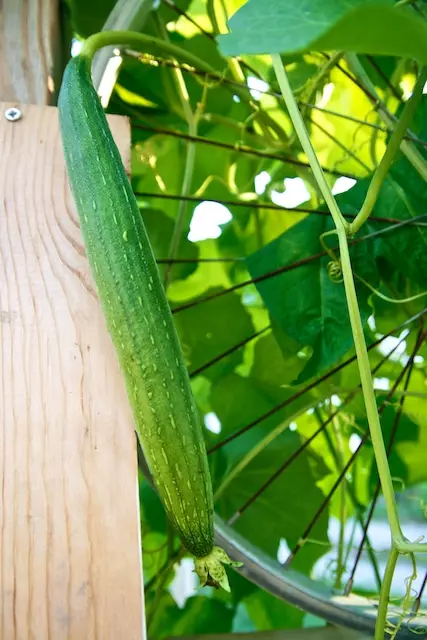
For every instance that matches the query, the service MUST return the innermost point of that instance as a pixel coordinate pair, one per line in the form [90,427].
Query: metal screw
[13,114]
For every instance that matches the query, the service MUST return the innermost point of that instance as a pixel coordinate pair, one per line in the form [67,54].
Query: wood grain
[30,50]
[70,565]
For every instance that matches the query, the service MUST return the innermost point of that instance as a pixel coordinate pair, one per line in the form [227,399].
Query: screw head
[13,114]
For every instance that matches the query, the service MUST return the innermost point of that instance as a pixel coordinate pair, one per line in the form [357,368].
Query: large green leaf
[267,612]
[155,553]
[199,614]
[282,26]
[287,505]
[156,85]
[158,167]
[405,249]
[305,302]
[343,144]
[404,196]
[275,365]
[238,401]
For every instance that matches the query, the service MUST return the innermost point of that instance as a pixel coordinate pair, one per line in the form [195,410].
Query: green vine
[407,147]
[390,153]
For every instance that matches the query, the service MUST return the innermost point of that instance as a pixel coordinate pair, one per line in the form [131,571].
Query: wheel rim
[352,611]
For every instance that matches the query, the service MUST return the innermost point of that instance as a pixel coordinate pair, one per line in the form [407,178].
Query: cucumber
[139,319]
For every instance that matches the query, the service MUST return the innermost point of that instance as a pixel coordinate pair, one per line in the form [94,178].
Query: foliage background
[309,327]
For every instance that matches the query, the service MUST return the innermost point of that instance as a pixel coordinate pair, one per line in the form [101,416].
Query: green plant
[346,27]
[261,310]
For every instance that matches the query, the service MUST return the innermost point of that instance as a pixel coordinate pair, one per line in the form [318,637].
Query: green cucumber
[138,318]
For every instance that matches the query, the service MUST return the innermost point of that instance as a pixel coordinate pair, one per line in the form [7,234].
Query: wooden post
[70,559]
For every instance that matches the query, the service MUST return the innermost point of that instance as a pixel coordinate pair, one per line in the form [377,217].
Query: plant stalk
[301,131]
[385,594]
[407,147]
[390,153]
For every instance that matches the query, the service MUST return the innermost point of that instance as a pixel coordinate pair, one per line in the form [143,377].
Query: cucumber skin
[137,312]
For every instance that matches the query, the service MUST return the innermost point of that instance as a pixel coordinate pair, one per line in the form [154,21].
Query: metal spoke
[259,205]
[228,352]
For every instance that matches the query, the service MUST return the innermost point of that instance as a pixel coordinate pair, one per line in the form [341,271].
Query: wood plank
[30,50]
[328,632]
[70,560]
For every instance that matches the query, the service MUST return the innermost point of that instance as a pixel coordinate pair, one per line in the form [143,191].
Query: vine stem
[390,153]
[319,77]
[126,14]
[398,543]
[385,594]
[301,131]
[368,388]
[412,154]
[342,500]
[141,42]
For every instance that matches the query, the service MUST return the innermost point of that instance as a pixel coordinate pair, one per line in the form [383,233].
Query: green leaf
[148,82]
[207,275]
[276,366]
[155,83]
[219,98]
[238,401]
[153,515]
[155,553]
[300,70]
[305,302]
[349,147]
[268,612]
[406,249]
[282,26]
[403,196]
[200,615]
